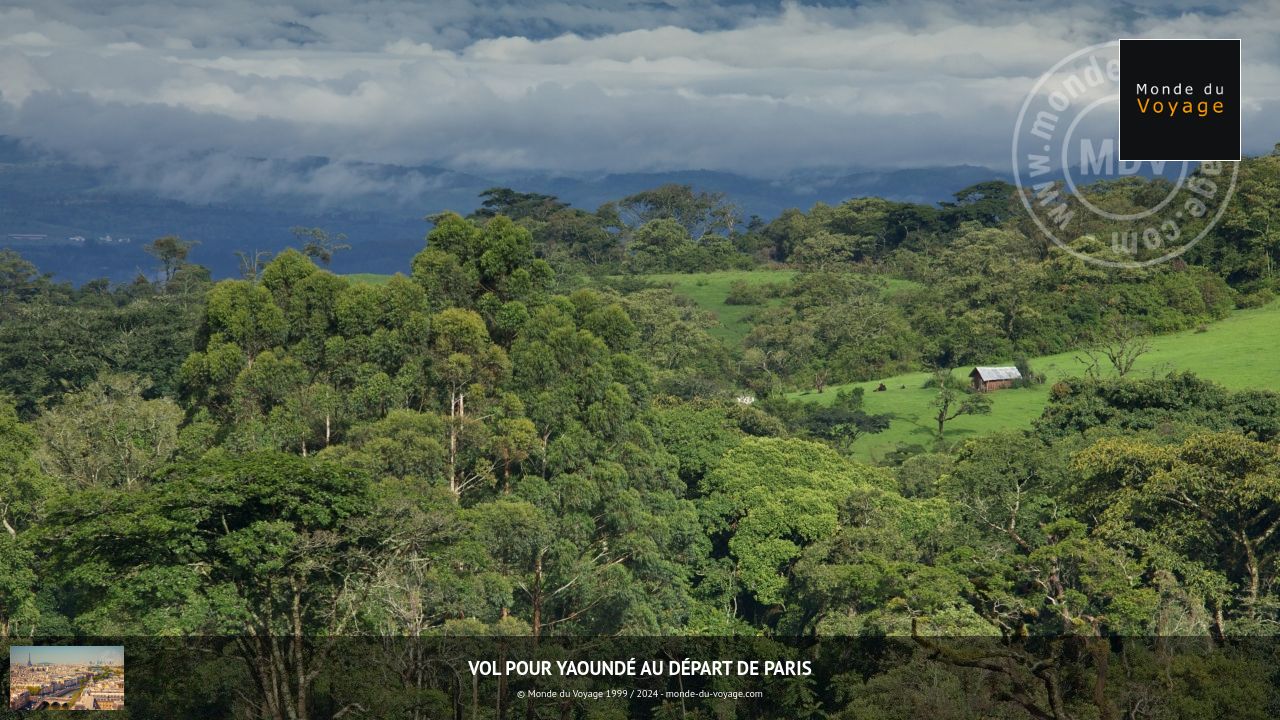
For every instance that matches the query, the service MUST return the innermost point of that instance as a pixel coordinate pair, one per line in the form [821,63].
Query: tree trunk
[453,445]
[1219,633]
[300,711]
[1100,648]
[536,599]
[457,414]
[1251,567]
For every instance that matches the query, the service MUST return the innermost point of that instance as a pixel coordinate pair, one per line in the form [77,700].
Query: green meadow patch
[369,278]
[1238,352]
[710,289]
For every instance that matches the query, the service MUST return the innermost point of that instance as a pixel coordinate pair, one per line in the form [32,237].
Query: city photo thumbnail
[68,677]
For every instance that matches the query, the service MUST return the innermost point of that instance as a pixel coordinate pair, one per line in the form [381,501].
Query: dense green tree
[673,335]
[466,365]
[108,435]
[19,279]
[1182,399]
[786,232]
[844,421]
[270,548]
[23,488]
[879,572]
[986,202]
[767,499]
[244,313]
[655,244]
[1245,244]
[1206,509]
[833,327]
[698,437]
[824,251]
[56,343]
[467,266]
[580,236]
[19,612]
[1034,571]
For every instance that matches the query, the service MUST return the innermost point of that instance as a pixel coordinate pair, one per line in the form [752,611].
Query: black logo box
[1180,64]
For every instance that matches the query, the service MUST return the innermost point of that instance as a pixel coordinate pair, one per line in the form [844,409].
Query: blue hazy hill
[250,204]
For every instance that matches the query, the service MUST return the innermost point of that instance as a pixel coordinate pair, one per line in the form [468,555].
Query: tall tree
[171,251]
[268,548]
[1122,342]
[23,488]
[24,492]
[108,434]
[769,498]
[517,205]
[318,244]
[1212,501]
[698,212]
[467,364]
[465,265]
[246,314]
[19,279]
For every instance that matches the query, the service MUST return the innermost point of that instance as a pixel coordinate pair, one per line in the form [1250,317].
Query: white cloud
[558,85]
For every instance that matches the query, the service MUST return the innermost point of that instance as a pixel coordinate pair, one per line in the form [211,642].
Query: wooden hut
[986,379]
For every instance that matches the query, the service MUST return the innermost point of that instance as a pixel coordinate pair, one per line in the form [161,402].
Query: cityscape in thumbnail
[67,677]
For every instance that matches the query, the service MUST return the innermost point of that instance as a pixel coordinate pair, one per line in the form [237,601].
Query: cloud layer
[754,88]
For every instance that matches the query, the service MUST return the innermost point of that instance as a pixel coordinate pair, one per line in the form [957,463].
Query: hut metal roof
[996,373]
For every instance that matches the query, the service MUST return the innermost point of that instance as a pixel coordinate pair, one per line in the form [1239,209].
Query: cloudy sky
[760,88]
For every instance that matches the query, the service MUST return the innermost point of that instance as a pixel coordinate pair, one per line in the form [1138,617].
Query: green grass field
[369,278]
[709,290]
[1238,352]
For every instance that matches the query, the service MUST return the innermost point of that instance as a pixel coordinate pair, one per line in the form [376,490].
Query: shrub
[743,293]
[1255,299]
[1030,378]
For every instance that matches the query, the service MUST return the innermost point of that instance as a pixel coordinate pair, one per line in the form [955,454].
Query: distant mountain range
[82,221]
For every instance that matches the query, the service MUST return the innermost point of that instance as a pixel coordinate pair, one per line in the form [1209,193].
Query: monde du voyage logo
[1165,110]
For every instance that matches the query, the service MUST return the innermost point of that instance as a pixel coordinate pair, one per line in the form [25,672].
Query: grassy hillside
[1238,352]
[709,290]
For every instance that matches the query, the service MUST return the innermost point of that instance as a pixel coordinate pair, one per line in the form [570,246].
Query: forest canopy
[527,434]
